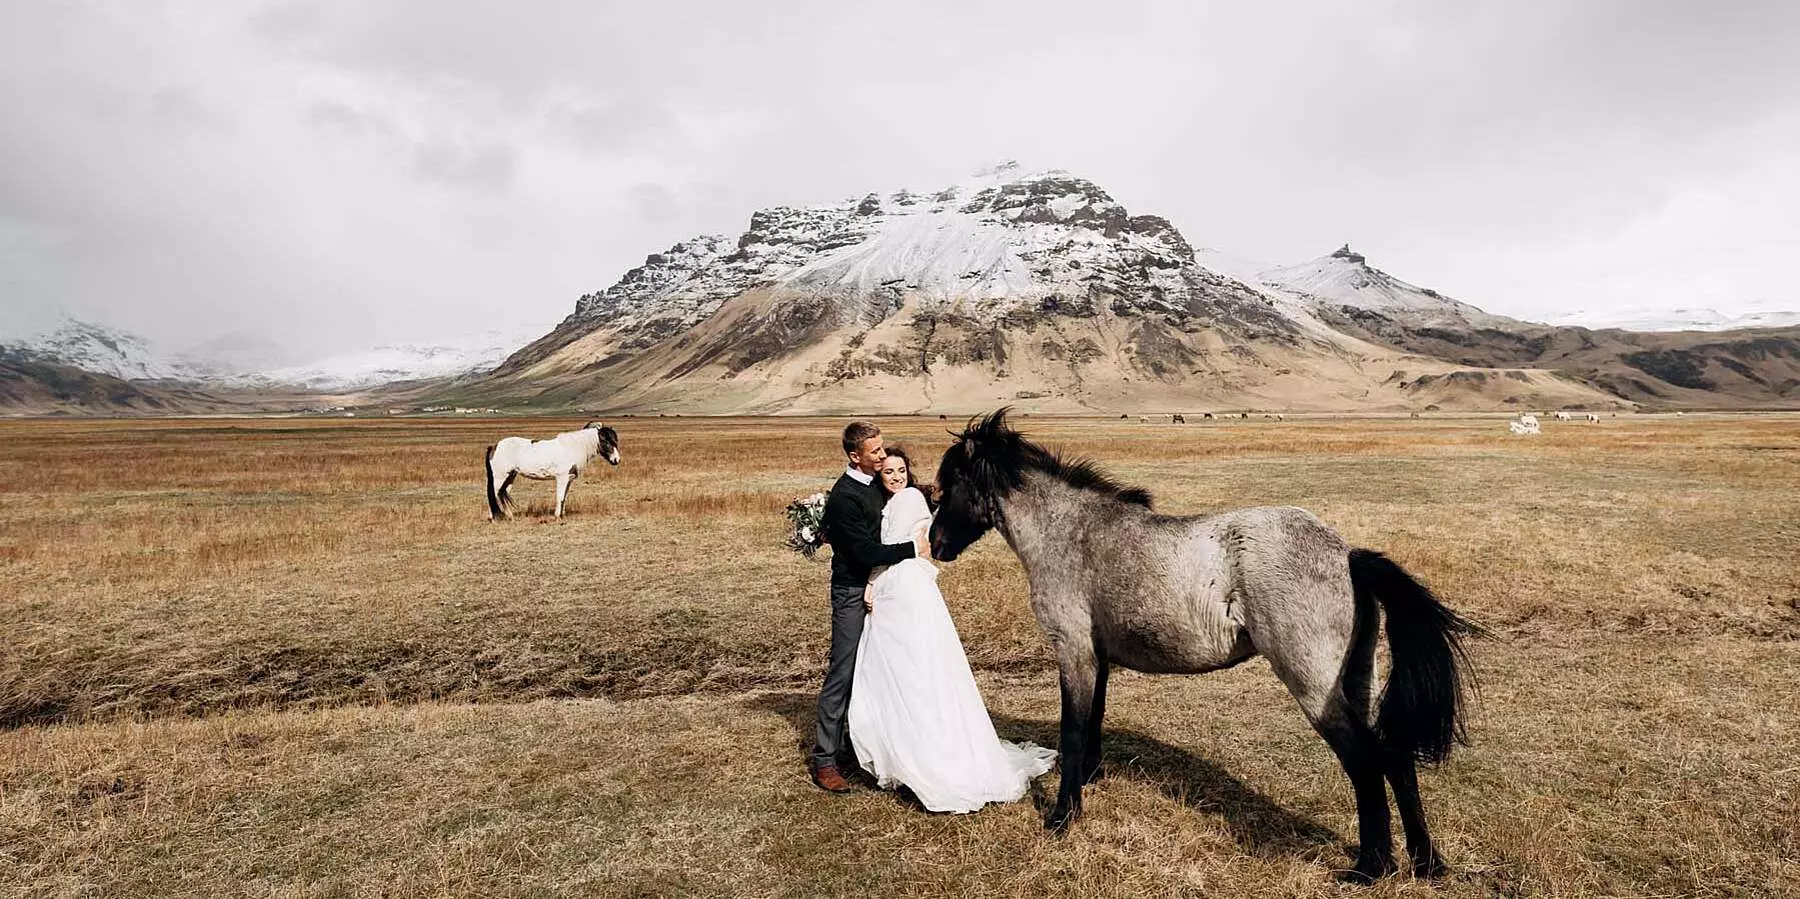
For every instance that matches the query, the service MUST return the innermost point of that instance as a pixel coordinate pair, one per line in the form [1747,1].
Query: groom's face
[869,456]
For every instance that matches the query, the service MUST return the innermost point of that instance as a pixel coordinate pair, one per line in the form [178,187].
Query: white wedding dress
[916,716]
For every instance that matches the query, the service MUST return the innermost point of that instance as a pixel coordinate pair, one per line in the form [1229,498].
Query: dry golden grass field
[292,658]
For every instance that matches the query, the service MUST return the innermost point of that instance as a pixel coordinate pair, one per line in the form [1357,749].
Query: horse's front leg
[562,490]
[1090,766]
[1080,682]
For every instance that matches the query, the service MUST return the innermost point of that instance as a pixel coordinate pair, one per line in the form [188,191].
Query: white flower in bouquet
[808,517]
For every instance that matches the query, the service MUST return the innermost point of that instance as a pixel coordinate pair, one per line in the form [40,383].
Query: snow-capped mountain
[233,363]
[473,354]
[1003,241]
[1022,286]
[99,349]
[1682,319]
[1345,278]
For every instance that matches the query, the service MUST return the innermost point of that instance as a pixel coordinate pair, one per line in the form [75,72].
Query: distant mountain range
[1036,289]
[1681,319]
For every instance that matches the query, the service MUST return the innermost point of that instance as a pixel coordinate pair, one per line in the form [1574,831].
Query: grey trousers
[834,698]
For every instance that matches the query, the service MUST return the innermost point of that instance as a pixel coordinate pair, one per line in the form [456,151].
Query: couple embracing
[898,680]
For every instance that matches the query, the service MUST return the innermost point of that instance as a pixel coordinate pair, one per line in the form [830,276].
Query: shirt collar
[863,479]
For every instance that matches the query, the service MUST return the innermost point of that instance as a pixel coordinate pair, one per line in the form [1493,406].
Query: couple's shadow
[1254,820]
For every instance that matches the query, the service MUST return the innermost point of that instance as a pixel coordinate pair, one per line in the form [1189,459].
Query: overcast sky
[336,174]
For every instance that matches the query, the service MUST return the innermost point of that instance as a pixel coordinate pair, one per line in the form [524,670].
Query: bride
[916,717]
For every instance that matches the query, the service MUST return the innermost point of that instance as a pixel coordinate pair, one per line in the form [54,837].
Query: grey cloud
[653,203]
[466,165]
[340,118]
[287,169]
[183,109]
[622,125]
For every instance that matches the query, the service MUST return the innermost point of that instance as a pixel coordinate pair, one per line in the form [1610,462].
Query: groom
[853,528]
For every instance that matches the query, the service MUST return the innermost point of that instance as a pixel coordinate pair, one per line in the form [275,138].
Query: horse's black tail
[487,465]
[1422,706]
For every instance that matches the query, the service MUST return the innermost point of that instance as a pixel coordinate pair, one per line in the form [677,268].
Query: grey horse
[1114,583]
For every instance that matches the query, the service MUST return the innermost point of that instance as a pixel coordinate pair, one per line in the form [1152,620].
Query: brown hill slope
[1701,369]
[42,388]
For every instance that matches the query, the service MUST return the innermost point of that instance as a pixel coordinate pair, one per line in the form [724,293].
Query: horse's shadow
[1257,824]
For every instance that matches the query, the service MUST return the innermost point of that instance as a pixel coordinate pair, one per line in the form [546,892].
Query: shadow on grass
[1255,821]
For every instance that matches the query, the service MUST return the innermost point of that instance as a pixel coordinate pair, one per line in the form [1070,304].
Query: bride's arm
[919,513]
[869,588]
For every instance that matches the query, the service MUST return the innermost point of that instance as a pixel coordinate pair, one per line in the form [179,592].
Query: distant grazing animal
[1178,419]
[1563,416]
[1208,416]
[1525,424]
[1595,419]
[1113,583]
[561,457]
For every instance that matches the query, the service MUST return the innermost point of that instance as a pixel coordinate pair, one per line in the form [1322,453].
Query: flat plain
[285,657]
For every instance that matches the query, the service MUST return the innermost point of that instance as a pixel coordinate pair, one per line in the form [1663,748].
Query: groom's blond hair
[856,432]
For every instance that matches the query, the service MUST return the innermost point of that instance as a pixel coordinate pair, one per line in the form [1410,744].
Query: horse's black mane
[1010,454]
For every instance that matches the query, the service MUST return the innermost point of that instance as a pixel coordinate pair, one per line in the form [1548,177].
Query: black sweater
[853,528]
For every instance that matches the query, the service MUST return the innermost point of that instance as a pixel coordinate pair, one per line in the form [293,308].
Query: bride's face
[893,474]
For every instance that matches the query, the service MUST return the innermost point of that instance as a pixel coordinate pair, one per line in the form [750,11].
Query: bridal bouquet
[808,516]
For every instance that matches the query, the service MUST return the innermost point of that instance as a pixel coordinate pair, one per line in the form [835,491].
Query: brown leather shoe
[830,779]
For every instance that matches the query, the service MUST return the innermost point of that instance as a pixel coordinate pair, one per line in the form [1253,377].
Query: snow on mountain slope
[1345,278]
[1003,242]
[1752,316]
[99,349]
[120,354]
[400,362]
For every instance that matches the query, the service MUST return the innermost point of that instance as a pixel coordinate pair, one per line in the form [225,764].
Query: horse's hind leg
[1350,723]
[1400,767]
[1358,749]
[1403,773]
[1326,658]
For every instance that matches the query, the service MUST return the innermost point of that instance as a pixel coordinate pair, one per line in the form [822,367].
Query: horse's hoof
[1368,870]
[1432,868]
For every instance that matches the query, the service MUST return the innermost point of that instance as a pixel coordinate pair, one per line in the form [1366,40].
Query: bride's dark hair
[912,476]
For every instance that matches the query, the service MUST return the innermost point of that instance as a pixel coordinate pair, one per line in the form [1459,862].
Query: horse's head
[978,470]
[609,441]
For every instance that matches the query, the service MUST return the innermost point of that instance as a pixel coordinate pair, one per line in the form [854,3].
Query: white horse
[561,457]
[1563,416]
[1593,419]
